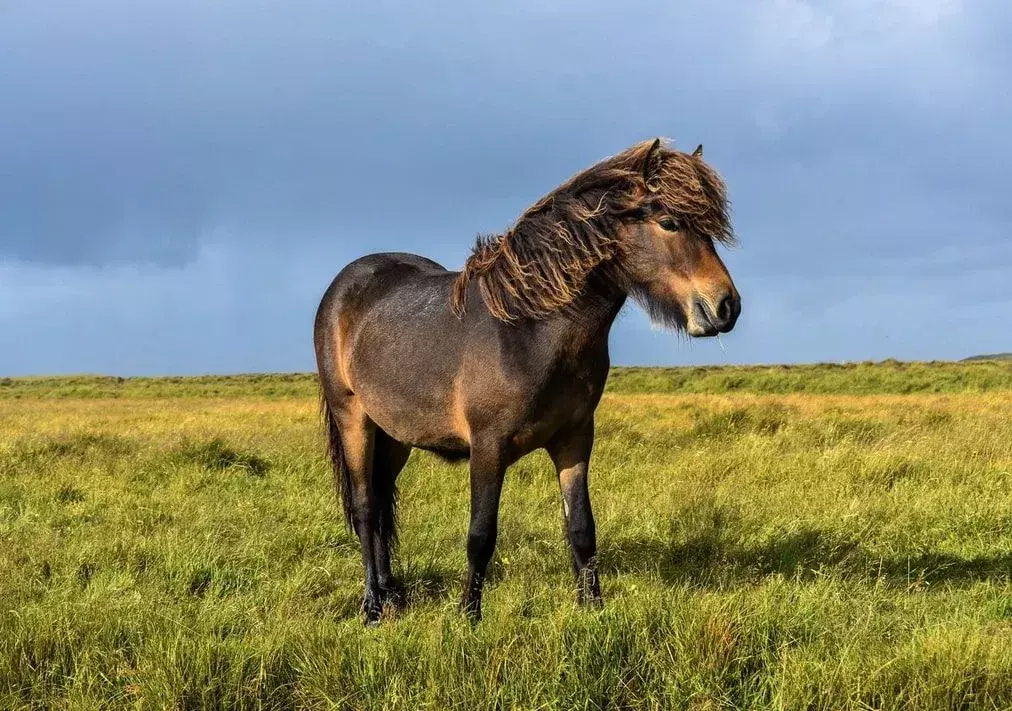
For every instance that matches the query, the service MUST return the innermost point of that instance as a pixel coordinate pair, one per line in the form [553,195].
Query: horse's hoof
[372,611]
[472,610]
[394,596]
[591,600]
[588,589]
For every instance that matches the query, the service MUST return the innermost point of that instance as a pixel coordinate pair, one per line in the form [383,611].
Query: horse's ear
[698,153]
[651,165]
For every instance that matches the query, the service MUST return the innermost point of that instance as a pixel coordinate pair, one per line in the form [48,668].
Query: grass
[775,546]
[824,378]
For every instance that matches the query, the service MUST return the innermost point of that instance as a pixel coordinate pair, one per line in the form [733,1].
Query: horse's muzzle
[707,321]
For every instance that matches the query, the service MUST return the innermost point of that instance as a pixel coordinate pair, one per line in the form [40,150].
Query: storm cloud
[180,180]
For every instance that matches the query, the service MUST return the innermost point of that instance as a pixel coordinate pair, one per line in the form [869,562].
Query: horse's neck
[588,323]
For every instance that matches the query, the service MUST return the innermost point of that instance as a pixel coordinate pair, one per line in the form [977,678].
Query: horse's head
[645,221]
[671,261]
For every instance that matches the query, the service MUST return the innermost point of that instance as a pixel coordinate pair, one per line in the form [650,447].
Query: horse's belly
[419,422]
[409,390]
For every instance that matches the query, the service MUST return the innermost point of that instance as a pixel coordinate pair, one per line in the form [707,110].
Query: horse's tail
[335,451]
[384,489]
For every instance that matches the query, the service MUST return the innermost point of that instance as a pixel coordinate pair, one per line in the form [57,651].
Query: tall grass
[169,549]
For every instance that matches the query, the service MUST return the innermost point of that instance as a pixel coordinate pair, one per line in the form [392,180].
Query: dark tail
[342,479]
[384,489]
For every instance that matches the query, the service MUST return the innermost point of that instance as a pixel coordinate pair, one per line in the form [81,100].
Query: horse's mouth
[703,322]
[699,323]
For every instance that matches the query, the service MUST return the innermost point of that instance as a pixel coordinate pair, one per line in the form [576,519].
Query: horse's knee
[480,545]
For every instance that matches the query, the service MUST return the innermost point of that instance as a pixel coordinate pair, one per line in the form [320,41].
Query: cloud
[848,37]
[178,178]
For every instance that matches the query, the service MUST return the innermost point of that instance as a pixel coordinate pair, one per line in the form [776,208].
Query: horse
[510,355]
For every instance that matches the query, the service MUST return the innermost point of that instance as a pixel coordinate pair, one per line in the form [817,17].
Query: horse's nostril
[725,311]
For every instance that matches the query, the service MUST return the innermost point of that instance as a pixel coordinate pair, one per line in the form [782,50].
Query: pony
[510,354]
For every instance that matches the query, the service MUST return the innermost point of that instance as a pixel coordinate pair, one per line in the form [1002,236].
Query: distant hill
[996,356]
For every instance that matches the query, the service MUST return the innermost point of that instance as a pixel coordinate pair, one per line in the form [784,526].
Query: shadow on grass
[716,558]
[421,585]
[216,455]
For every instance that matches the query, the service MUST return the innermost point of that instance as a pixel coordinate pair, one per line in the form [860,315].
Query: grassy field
[820,537]
[886,377]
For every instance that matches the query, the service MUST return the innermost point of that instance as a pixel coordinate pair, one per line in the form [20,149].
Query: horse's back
[365,281]
[386,261]
[378,270]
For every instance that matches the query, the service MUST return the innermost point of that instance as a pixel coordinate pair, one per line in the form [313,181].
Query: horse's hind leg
[389,458]
[358,436]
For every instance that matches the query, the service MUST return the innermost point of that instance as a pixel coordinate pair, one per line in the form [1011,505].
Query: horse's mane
[541,264]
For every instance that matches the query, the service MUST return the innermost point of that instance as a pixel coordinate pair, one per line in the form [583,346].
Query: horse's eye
[670,224]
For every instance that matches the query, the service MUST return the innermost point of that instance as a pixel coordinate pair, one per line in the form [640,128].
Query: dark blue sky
[179,181]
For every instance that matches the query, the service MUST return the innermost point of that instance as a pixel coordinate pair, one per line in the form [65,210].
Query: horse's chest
[565,400]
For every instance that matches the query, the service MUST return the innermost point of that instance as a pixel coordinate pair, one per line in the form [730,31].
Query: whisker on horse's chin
[662,315]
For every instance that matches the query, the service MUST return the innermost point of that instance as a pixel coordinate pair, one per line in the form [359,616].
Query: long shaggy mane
[541,264]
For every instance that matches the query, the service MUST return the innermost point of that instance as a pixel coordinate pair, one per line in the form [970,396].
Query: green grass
[174,549]
[824,378]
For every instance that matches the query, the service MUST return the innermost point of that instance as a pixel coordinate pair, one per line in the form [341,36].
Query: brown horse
[511,354]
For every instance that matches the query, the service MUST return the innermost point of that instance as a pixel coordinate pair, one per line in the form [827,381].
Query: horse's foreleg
[487,471]
[358,434]
[570,452]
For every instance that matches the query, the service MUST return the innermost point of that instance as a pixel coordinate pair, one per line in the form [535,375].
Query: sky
[180,180]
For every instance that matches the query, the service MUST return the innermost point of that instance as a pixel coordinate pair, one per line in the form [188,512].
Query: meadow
[807,537]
